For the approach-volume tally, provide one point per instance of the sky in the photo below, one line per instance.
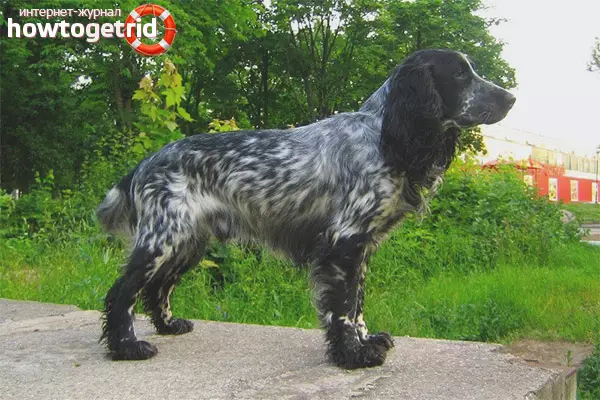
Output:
(549, 43)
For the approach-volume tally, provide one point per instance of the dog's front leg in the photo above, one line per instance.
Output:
(338, 277)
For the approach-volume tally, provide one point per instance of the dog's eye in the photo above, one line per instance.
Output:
(459, 74)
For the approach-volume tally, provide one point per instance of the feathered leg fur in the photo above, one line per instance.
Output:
(117, 330)
(156, 295)
(338, 277)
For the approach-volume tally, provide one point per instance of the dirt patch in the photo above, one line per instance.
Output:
(550, 354)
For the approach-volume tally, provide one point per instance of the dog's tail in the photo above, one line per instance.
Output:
(117, 213)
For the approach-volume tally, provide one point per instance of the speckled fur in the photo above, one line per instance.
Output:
(323, 194)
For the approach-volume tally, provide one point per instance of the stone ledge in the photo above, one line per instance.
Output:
(56, 356)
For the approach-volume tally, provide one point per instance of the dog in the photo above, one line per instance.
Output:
(324, 194)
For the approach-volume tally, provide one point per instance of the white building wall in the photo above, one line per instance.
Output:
(506, 143)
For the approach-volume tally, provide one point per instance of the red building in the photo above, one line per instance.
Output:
(557, 172)
(558, 183)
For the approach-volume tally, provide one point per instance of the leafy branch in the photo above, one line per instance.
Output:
(161, 109)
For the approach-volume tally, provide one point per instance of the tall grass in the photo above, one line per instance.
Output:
(559, 299)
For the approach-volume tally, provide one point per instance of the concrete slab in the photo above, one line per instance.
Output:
(16, 310)
(58, 357)
(550, 354)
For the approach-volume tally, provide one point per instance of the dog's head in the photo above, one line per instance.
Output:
(430, 96)
(445, 83)
(466, 98)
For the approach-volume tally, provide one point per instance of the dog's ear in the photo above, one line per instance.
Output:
(412, 120)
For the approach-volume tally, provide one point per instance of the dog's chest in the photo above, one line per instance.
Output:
(402, 199)
(391, 210)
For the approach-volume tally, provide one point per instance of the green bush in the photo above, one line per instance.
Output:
(7, 206)
(35, 213)
(479, 218)
(51, 215)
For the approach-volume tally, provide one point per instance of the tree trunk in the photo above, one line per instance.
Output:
(265, 88)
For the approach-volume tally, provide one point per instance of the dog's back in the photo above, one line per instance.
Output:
(282, 188)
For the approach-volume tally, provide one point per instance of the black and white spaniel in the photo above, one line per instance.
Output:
(325, 194)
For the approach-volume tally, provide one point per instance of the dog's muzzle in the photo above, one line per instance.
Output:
(488, 104)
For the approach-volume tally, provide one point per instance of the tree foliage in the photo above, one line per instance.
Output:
(262, 64)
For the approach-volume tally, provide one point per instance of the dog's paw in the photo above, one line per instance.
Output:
(382, 339)
(176, 326)
(134, 350)
(371, 353)
(365, 356)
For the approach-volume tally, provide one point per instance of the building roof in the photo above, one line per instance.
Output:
(519, 136)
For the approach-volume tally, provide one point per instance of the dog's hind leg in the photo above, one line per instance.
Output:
(118, 331)
(338, 278)
(156, 294)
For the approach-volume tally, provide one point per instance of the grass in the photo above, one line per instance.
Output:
(560, 299)
(557, 300)
(76, 273)
(586, 213)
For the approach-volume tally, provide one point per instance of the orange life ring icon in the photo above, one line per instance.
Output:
(165, 42)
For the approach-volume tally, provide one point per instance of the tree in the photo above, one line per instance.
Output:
(321, 40)
(46, 119)
(213, 31)
(61, 96)
(315, 58)
(451, 25)
(321, 57)
(266, 64)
